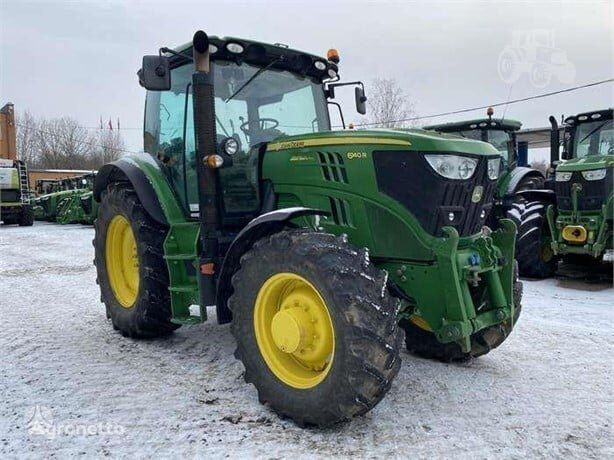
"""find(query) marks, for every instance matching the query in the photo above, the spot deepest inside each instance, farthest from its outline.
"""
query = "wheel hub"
(294, 330)
(122, 261)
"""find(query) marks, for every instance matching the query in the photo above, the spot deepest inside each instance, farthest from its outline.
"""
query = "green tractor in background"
(64, 203)
(572, 217)
(319, 247)
(515, 175)
(80, 207)
(15, 199)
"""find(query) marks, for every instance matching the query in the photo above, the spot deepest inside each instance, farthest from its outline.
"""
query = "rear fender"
(149, 182)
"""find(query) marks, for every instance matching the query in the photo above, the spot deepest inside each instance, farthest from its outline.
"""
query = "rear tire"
(423, 343)
(150, 313)
(533, 251)
(365, 356)
(27, 216)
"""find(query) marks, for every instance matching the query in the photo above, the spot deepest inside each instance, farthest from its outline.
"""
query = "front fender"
(517, 175)
(259, 227)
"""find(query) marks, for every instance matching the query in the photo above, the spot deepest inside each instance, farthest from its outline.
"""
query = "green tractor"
(572, 217)
(63, 203)
(15, 199)
(319, 247)
(515, 175)
(80, 207)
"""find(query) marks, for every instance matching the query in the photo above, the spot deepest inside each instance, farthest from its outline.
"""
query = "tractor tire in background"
(533, 252)
(424, 343)
(27, 216)
(130, 267)
(530, 183)
(315, 326)
(9, 220)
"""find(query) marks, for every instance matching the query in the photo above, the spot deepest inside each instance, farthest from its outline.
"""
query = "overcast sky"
(79, 58)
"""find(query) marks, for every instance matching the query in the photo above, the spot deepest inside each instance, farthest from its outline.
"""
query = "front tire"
(533, 252)
(132, 274)
(315, 326)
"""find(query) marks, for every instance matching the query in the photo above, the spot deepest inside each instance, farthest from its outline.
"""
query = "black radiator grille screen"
(592, 196)
(431, 198)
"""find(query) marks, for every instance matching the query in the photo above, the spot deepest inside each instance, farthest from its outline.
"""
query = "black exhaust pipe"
(554, 140)
(204, 126)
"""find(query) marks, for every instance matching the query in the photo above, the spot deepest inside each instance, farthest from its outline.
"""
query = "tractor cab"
(262, 92)
(589, 135)
(500, 132)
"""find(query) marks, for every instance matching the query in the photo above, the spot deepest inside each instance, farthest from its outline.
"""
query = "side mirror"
(361, 99)
(155, 75)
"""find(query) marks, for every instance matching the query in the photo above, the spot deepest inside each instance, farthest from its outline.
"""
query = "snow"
(546, 392)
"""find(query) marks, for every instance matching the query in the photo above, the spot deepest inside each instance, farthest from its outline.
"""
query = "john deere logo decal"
(476, 196)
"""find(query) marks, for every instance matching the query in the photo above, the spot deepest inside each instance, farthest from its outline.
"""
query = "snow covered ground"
(71, 385)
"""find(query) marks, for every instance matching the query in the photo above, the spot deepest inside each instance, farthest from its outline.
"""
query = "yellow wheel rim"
(294, 330)
(122, 261)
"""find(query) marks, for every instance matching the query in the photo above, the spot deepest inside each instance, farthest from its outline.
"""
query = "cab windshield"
(498, 138)
(274, 103)
(594, 138)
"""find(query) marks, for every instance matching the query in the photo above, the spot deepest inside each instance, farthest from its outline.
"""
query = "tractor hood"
(587, 163)
(411, 140)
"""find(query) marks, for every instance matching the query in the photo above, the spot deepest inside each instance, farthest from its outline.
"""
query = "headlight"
(494, 166)
(562, 176)
(595, 174)
(452, 166)
(230, 146)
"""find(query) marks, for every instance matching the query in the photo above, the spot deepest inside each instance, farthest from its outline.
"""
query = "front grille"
(9, 196)
(431, 198)
(592, 196)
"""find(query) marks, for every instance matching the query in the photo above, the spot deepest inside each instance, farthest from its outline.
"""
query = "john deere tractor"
(15, 201)
(319, 247)
(515, 175)
(78, 207)
(64, 203)
(572, 216)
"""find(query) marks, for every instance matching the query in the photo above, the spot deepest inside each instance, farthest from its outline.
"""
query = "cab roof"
(262, 54)
(586, 117)
(478, 123)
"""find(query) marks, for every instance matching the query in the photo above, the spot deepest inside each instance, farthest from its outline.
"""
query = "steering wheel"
(262, 125)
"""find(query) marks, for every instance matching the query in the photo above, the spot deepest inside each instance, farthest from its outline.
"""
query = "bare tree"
(388, 104)
(27, 142)
(64, 143)
(110, 147)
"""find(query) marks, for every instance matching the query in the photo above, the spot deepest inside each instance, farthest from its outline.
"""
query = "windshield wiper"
(594, 131)
(253, 77)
